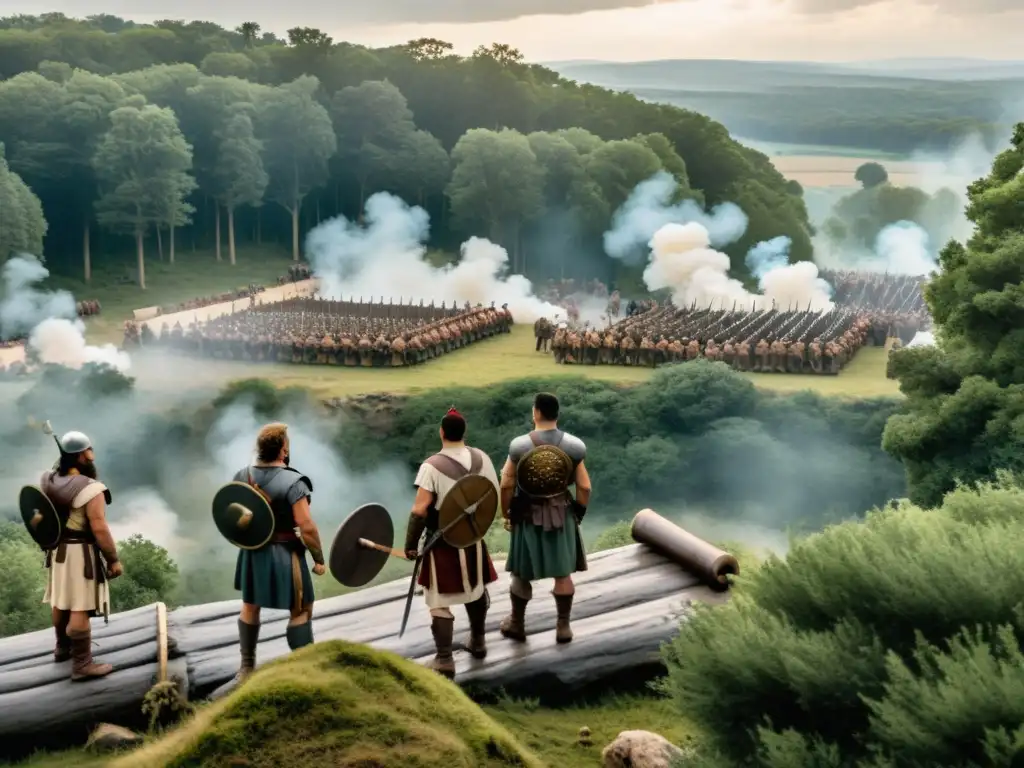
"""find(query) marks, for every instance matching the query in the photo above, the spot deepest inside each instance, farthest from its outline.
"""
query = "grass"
(170, 284)
(347, 705)
(504, 358)
(499, 359)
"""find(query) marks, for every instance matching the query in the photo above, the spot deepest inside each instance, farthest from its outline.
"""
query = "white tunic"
(67, 589)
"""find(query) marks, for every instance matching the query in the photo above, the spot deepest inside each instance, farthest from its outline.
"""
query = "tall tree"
(299, 141)
(372, 122)
(142, 164)
(497, 186)
(239, 173)
(22, 225)
(965, 415)
(249, 30)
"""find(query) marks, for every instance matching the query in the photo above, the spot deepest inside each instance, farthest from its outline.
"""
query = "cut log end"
(694, 554)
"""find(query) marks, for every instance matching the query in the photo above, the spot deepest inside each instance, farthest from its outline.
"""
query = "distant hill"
(898, 106)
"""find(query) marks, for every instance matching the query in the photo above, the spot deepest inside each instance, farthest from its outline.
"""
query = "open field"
(836, 170)
(502, 358)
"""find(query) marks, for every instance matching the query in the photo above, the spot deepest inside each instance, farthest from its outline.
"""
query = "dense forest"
(139, 139)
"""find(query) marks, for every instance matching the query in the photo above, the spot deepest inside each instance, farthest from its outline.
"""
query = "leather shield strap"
(452, 469)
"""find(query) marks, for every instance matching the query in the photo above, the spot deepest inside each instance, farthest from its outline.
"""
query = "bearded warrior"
(543, 515)
(85, 558)
(451, 576)
(276, 576)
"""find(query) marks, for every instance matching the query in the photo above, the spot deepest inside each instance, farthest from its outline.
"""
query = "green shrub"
(834, 651)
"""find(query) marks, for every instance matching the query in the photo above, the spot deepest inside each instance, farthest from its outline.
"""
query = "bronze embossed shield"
(243, 516)
(544, 472)
(467, 511)
(41, 519)
(353, 563)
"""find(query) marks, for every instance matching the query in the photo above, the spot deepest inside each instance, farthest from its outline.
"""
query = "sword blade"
(408, 598)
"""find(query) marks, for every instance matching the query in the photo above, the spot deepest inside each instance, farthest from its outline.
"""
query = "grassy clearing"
(499, 359)
(342, 704)
(192, 275)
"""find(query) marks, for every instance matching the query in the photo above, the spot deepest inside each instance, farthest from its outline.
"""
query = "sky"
(623, 30)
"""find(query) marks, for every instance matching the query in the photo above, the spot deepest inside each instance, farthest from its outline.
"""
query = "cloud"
(952, 7)
(327, 15)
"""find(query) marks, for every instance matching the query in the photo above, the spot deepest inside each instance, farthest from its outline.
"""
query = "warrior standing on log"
(275, 574)
(78, 587)
(451, 576)
(543, 516)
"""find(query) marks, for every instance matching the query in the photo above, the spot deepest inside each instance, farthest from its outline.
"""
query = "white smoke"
(903, 249)
(24, 305)
(649, 207)
(683, 262)
(385, 257)
(62, 342)
(144, 512)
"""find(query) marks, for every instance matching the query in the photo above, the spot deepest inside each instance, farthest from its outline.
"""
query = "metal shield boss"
(544, 472)
(467, 511)
(40, 517)
(352, 564)
(243, 516)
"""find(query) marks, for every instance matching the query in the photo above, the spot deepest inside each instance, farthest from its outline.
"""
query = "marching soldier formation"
(871, 309)
(324, 332)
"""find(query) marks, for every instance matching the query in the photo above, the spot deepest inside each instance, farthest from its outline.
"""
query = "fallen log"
(628, 603)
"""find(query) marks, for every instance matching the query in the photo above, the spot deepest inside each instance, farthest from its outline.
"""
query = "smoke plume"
(683, 262)
(386, 257)
(24, 305)
(57, 341)
(650, 207)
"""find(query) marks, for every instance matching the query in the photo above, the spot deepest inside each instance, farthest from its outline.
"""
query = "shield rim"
(441, 522)
(270, 512)
(51, 507)
(366, 552)
(536, 449)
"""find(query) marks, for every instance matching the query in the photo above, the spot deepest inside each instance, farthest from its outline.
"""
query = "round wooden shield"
(352, 563)
(41, 519)
(243, 516)
(467, 511)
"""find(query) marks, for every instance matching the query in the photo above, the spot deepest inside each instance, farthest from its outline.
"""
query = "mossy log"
(628, 602)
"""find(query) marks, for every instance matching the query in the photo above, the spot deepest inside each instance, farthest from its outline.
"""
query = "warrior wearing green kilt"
(543, 516)
(276, 575)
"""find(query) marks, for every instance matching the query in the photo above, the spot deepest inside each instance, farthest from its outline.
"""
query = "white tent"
(922, 339)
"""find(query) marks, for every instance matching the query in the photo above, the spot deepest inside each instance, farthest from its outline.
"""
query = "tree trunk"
(216, 226)
(159, 244)
(86, 254)
(140, 254)
(318, 211)
(231, 235)
(259, 226)
(295, 233)
(171, 243)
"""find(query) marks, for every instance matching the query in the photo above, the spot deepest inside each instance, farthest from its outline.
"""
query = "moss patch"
(342, 705)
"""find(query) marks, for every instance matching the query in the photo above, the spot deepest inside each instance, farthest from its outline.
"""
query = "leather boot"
(563, 632)
(62, 650)
(82, 665)
(300, 635)
(248, 637)
(443, 630)
(477, 613)
(513, 626)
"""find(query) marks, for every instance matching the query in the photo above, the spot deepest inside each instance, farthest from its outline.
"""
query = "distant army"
(318, 331)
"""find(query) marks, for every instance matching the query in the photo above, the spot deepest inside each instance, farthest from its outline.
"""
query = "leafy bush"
(893, 640)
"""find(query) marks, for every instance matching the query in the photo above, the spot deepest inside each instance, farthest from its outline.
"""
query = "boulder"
(640, 749)
(109, 738)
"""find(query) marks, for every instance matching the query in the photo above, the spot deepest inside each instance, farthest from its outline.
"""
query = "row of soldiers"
(296, 273)
(768, 341)
(327, 339)
(871, 291)
(87, 308)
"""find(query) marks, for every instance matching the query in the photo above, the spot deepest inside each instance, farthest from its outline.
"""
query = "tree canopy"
(316, 126)
(964, 418)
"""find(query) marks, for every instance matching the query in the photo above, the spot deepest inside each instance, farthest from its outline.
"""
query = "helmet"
(75, 442)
